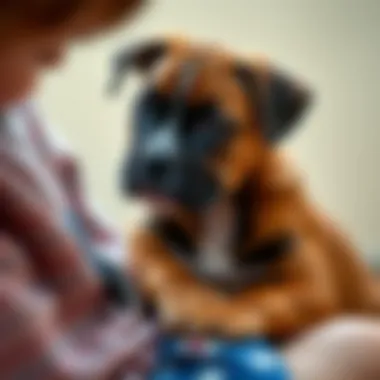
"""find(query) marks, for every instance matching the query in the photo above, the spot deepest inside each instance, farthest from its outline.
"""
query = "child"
(55, 319)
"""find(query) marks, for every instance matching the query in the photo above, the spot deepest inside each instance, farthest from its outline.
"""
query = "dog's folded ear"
(278, 100)
(140, 57)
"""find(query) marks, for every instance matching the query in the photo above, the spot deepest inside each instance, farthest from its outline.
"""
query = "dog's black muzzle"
(182, 181)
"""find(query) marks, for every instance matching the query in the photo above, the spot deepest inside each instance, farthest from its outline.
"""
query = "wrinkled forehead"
(205, 77)
(181, 79)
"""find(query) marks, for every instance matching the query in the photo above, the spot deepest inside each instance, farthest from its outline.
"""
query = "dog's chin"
(165, 205)
(160, 203)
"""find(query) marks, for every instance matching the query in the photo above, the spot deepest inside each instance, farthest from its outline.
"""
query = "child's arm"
(98, 239)
(67, 168)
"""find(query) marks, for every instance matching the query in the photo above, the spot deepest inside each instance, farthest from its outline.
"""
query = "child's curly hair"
(48, 14)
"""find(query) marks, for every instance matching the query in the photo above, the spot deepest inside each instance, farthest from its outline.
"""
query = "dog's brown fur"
(323, 275)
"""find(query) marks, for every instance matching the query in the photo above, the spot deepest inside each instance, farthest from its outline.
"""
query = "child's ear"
(279, 100)
(141, 57)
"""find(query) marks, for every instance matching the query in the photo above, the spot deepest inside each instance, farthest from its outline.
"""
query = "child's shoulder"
(38, 123)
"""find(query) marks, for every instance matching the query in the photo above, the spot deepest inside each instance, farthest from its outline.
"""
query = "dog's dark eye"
(157, 105)
(211, 140)
(199, 117)
(161, 107)
(151, 110)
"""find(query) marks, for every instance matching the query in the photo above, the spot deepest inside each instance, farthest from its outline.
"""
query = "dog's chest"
(216, 242)
(212, 254)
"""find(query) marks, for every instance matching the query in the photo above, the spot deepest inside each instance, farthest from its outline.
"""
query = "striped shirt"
(56, 319)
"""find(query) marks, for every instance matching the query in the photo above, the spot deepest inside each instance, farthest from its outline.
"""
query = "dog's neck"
(223, 230)
(228, 224)
(216, 239)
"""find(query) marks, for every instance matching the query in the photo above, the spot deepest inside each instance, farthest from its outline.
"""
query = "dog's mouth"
(190, 192)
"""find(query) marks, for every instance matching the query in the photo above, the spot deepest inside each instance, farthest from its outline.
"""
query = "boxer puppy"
(234, 246)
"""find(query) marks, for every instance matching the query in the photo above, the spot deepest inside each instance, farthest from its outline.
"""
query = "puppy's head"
(204, 122)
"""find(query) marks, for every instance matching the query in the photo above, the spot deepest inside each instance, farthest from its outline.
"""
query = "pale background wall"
(334, 44)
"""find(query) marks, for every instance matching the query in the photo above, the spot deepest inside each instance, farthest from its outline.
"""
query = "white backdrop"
(333, 44)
